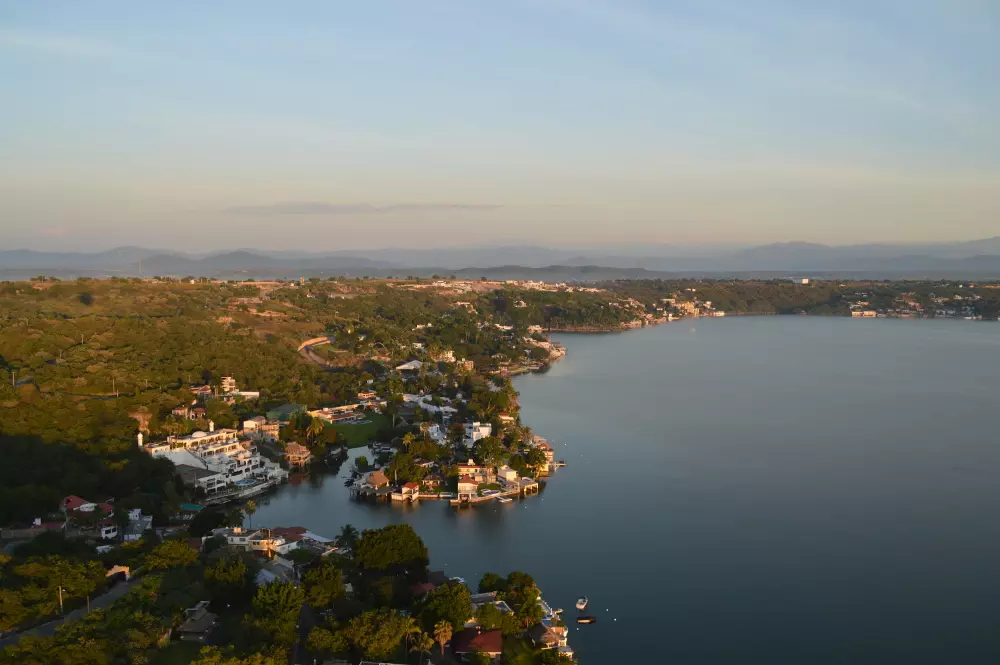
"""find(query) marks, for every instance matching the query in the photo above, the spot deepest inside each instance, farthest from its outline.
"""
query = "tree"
(553, 657)
(480, 658)
(323, 642)
(12, 610)
(491, 582)
(324, 584)
(489, 451)
(348, 536)
(422, 644)
(396, 546)
(276, 608)
(378, 633)
(442, 634)
(250, 509)
(229, 580)
(170, 554)
(408, 439)
(214, 656)
(449, 602)
(315, 430)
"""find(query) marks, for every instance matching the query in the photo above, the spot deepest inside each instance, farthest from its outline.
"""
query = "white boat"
(581, 603)
(504, 499)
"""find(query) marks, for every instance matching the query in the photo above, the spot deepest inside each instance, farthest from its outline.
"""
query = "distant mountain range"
(979, 259)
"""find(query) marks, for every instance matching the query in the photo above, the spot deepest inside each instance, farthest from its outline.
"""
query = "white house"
(476, 431)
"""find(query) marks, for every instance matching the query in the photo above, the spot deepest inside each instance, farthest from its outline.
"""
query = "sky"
(341, 124)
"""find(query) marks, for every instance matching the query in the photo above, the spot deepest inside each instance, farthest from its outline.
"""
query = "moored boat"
(586, 619)
(581, 603)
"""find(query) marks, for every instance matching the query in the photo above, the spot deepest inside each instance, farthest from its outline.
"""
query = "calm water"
(755, 490)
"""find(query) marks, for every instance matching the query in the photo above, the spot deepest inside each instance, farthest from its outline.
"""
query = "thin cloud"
(321, 208)
(55, 45)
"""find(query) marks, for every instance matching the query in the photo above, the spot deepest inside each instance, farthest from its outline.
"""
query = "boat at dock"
(505, 499)
(586, 619)
(581, 603)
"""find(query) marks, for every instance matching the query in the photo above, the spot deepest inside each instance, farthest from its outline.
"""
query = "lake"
(747, 490)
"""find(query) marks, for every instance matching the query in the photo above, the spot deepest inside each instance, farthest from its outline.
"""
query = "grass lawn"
(359, 434)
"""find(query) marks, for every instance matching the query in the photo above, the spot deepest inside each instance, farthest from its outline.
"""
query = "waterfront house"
(543, 637)
(473, 640)
(467, 488)
(377, 479)
(297, 455)
(507, 474)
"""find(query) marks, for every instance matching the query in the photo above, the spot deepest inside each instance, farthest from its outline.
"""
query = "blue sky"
(327, 125)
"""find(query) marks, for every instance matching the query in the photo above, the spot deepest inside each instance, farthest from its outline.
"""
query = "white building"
(476, 431)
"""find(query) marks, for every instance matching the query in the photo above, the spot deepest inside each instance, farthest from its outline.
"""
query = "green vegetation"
(358, 435)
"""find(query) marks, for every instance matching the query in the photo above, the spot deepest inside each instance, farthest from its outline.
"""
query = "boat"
(586, 619)
(581, 603)
(505, 499)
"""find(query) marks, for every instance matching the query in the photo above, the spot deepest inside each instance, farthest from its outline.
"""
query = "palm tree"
(348, 536)
(250, 509)
(410, 627)
(423, 644)
(442, 634)
(315, 429)
(408, 440)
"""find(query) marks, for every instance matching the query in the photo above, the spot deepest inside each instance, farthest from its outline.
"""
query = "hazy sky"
(370, 123)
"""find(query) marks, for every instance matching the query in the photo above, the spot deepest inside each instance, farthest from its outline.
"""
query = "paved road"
(49, 628)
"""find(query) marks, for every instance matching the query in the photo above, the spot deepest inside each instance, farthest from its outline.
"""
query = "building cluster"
(910, 305)
(550, 633)
(677, 307)
(227, 465)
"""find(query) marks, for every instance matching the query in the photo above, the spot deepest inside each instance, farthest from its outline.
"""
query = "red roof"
(106, 507)
(411, 486)
(470, 640)
(292, 534)
(466, 479)
(73, 502)
(421, 589)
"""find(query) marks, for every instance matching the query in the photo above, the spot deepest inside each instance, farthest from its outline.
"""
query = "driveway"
(47, 629)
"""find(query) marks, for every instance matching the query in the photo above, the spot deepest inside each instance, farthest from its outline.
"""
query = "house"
(254, 424)
(198, 413)
(182, 411)
(473, 640)
(543, 637)
(432, 481)
(377, 479)
(412, 366)
(476, 431)
(108, 530)
(508, 474)
(198, 623)
(467, 487)
(367, 395)
(228, 384)
(72, 503)
(411, 489)
(201, 392)
(297, 455)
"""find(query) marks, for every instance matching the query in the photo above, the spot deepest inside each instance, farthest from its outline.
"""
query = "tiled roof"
(470, 640)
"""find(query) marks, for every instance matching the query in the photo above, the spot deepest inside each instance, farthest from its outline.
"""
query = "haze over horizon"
(354, 126)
